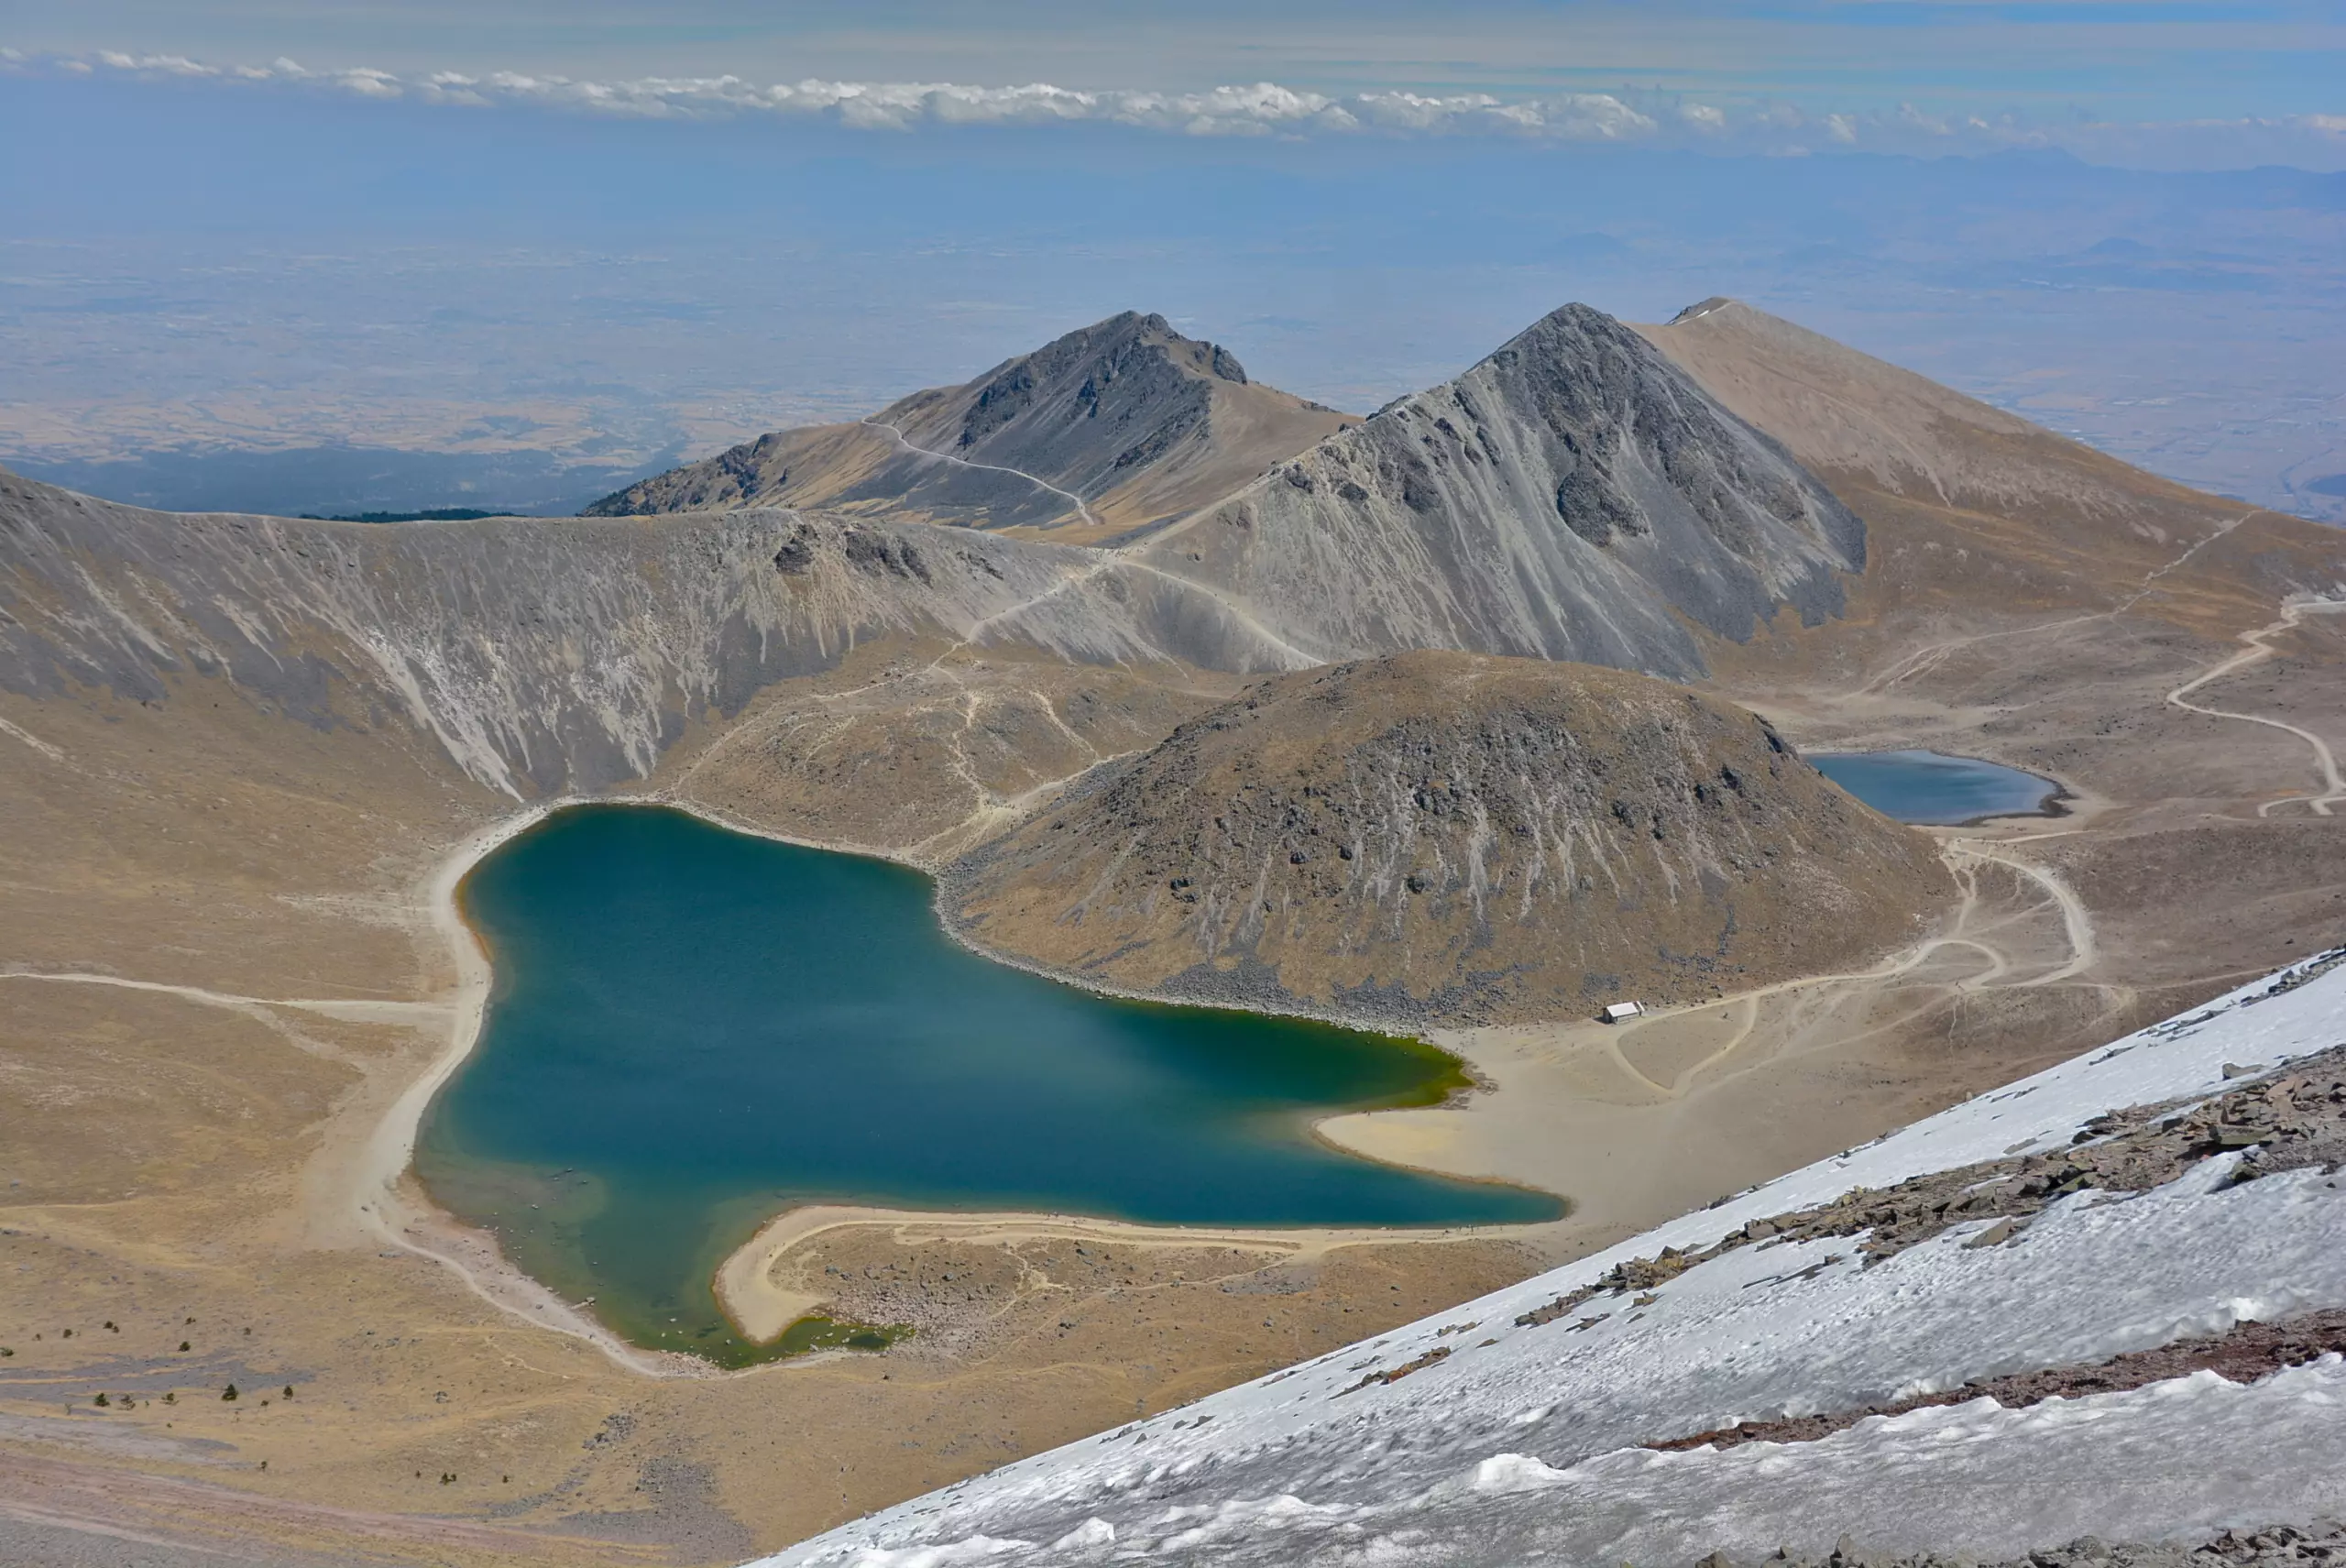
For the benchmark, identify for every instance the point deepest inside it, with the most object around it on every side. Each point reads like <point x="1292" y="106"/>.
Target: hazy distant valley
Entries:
<point x="549" y="361"/>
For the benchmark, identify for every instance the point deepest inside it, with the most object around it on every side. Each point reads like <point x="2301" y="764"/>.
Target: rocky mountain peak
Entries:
<point x="1702" y="308"/>
<point x="1574" y="495"/>
<point x="1130" y="367"/>
<point x="1114" y="425"/>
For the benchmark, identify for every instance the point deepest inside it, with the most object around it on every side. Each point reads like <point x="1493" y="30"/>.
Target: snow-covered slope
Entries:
<point x="1509" y="1430"/>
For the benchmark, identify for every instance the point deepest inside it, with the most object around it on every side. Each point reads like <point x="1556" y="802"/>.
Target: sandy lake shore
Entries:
<point x="754" y="1287"/>
<point x="378" y="1188"/>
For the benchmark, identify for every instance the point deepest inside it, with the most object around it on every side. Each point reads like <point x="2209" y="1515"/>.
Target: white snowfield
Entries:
<point x="1522" y="1448"/>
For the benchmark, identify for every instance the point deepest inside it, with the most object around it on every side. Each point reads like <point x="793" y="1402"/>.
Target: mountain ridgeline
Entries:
<point x="1111" y="427"/>
<point x="543" y="657"/>
<point x="1574" y="496"/>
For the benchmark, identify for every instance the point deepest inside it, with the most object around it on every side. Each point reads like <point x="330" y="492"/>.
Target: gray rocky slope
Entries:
<point x="1436" y="835"/>
<point x="1574" y="496"/>
<point x="544" y="655"/>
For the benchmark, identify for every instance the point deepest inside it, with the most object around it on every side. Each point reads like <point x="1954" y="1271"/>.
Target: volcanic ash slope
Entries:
<point x="1456" y="835"/>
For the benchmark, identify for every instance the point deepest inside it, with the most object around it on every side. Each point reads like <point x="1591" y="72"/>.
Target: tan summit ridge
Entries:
<point x="1850" y="416"/>
<point x="1456" y="837"/>
<point x="1886" y="438"/>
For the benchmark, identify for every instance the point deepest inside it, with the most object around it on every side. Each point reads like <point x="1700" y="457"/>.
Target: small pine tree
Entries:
<point x="183" y="1344"/>
<point x="100" y="1401"/>
<point x="231" y="1394"/>
<point x="289" y="1390"/>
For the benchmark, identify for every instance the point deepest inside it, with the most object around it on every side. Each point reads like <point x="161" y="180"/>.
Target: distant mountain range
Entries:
<point x="1573" y="496"/>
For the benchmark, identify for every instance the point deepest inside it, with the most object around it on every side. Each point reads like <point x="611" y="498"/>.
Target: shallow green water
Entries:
<point x="1931" y="787"/>
<point x="693" y="1029"/>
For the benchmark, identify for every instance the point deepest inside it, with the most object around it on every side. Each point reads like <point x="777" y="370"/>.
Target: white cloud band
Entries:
<point x="1268" y="109"/>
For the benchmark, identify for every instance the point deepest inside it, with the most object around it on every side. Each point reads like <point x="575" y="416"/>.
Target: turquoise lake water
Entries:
<point x="1926" y="787"/>
<point x="693" y="1029"/>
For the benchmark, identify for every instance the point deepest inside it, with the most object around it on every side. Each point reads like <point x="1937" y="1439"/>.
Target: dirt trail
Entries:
<point x="1971" y="928"/>
<point x="231" y="1525"/>
<point x="2077" y="924"/>
<point x="350" y="1010"/>
<point x="53" y="753"/>
<point x="1302" y="660"/>
<point x="1930" y="657"/>
<point x="2259" y="649"/>
<point x="905" y="442"/>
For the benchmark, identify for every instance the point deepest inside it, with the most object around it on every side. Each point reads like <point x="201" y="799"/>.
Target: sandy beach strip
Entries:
<point x="390" y="1204"/>
<point x="762" y="1307"/>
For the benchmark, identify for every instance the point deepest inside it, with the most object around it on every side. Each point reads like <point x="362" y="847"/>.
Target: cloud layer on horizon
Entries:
<point x="1269" y="110"/>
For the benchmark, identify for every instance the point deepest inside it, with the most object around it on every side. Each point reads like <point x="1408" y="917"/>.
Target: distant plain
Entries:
<point x="579" y="304"/>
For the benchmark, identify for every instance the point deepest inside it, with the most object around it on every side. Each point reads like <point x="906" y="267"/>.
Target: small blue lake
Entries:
<point x="1927" y="787"/>
<point x="693" y="1029"/>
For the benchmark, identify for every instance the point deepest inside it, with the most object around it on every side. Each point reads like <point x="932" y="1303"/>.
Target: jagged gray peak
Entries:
<point x="545" y="654"/>
<point x="1126" y="369"/>
<point x="1573" y="496"/>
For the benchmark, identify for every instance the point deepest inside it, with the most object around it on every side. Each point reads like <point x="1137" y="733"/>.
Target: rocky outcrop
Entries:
<point x="1453" y="836"/>
<point x="1108" y="428"/>
<point x="2270" y="1547"/>
<point x="1574" y="496"/>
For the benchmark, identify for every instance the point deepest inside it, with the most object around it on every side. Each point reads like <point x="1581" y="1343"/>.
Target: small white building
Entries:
<point x="1621" y="1012"/>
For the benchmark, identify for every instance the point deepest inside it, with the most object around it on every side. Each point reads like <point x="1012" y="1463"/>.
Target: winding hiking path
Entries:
<point x="907" y="443"/>
<point x="1931" y="655"/>
<point x="2077" y="924"/>
<point x="2333" y="784"/>
<point x="1963" y="855"/>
